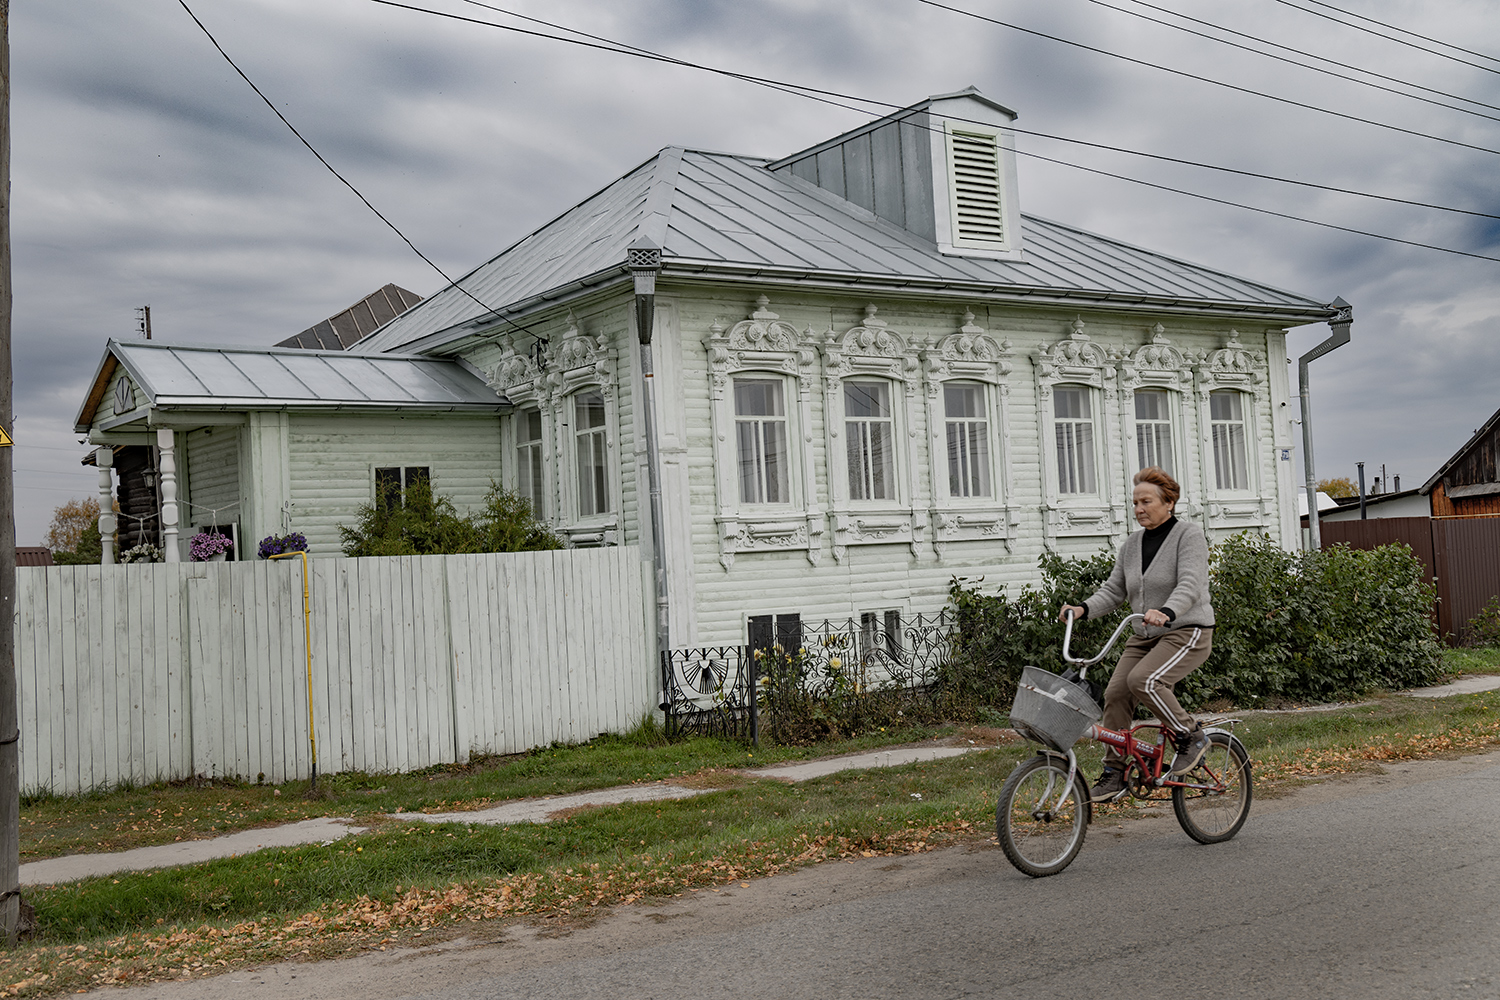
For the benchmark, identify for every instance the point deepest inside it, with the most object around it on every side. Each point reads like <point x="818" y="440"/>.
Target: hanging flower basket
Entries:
<point x="143" y="553"/>
<point x="209" y="546"/>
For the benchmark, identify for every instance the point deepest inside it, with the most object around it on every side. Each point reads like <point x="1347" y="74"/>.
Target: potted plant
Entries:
<point x="209" y="546"/>
<point x="142" y="553"/>
<point x="275" y="545"/>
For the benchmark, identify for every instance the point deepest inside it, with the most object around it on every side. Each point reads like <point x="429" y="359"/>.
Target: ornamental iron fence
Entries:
<point x="799" y="669"/>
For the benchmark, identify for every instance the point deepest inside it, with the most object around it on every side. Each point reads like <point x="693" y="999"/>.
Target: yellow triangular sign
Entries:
<point x="5" y="441"/>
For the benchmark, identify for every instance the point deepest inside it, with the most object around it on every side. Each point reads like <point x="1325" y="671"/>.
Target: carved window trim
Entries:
<point x="970" y="356"/>
<point x="1161" y="365"/>
<point x="764" y="346"/>
<point x="866" y="352"/>
<point x="1236" y="367"/>
<point x="549" y="380"/>
<point x="1077" y="361"/>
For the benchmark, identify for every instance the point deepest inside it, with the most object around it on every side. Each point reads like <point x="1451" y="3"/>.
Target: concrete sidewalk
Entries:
<point x="542" y="810"/>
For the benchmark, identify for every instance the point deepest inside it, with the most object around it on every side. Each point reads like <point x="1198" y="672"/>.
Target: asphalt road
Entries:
<point x="1373" y="887"/>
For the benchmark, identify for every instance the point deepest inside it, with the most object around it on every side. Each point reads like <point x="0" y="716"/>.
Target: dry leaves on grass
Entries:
<point x="362" y="923"/>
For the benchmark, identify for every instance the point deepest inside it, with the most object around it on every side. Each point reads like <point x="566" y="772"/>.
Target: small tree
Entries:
<point x="415" y="521"/>
<point x="1341" y="487"/>
<point x="69" y="522"/>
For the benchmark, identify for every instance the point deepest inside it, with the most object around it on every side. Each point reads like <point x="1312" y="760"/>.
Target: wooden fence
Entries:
<point x="143" y="672"/>
<point x="1461" y="557"/>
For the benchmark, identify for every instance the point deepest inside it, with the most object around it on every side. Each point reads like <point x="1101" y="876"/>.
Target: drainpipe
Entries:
<point x="643" y="258"/>
<point x="1361" y="491"/>
<point x="1342" y="320"/>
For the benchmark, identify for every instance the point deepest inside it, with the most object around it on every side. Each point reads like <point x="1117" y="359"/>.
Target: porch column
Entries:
<point x="164" y="443"/>
<point x="105" y="458"/>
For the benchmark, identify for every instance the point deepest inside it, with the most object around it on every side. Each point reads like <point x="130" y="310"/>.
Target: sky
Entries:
<point x="144" y="171"/>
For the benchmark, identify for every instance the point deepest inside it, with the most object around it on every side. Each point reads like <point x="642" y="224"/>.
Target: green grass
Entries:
<point x="1472" y="660"/>
<point x="166" y="812"/>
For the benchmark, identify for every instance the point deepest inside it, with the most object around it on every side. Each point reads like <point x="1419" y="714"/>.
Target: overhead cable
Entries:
<point x="344" y="180"/>
<point x="833" y="98"/>
<point x="1204" y="79"/>
<point x="1301" y="52"/>
<point x="1392" y="38"/>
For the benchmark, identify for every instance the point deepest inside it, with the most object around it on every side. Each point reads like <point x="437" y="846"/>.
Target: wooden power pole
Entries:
<point x="10" y="731"/>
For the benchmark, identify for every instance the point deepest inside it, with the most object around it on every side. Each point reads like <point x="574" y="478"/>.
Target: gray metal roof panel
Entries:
<point x="280" y="377"/>
<point x="730" y="210"/>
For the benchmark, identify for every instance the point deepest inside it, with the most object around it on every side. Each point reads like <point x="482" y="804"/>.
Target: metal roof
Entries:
<point x="342" y="330"/>
<point x="179" y="377"/>
<point x="716" y="213"/>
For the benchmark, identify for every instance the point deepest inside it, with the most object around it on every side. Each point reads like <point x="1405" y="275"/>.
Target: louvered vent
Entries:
<point x="976" y="188"/>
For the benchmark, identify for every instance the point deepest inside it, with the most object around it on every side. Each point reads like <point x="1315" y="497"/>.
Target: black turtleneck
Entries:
<point x="1151" y="544"/>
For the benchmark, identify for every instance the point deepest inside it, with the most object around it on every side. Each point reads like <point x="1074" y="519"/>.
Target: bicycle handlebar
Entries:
<point x="1068" y="638"/>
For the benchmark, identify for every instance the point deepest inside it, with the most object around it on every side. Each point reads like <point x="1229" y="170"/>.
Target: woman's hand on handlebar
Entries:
<point x="1077" y="610"/>
<point x="1154" y="617"/>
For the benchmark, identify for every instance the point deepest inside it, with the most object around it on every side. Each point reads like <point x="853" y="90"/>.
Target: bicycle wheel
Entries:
<point x="1212" y="816"/>
<point x="1041" y="827"/>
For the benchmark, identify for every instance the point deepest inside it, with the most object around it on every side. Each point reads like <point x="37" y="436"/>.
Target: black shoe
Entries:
<point x="1190" y="750"/>
<point x="1110" y="784"/>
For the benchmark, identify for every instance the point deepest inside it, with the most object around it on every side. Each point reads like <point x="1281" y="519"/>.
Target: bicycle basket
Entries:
<point x="1051" y="710"/>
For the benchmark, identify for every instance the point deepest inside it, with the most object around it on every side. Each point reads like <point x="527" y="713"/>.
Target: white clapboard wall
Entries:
<point x="146" y="672"/>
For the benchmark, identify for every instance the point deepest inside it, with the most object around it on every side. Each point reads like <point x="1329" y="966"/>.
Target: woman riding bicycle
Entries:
<point x="1163" y="571"/>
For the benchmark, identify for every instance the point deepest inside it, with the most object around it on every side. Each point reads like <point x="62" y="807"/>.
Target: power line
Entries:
<point x="832" y="98"/>
<point x="823" y="96"/>
<point x="1389" y="38"/>
<point x="1301" y="52"/>
<point x="1204" y="79"/>
<point x="1262" y="211"/>
<point x="344" y="180"/>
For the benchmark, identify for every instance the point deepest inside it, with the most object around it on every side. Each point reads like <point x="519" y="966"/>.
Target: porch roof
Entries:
<point x="181" y="377"/>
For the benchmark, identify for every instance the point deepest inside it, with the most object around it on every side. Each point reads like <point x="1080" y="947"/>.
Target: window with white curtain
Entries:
<point x="530" y="480"/>
<point x="1226" y="410"/>
<point x="968" y="440"/>
<point x="1153" y="430"/>
<point x="869" y="432"/>
<point x="761" y="441"/>
<point x="591" y="448"/>
<point x="1073" y="427"/>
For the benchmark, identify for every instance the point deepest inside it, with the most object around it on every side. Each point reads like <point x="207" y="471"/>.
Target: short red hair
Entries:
<point x="1158" y="477"/>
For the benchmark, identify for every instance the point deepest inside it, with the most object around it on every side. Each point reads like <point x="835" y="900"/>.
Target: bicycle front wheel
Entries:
<point x="1041" y="821"/>
<point x="1215" y="811"/>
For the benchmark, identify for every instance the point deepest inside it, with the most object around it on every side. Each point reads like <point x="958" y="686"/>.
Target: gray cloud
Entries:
<point x="145" y="171"/>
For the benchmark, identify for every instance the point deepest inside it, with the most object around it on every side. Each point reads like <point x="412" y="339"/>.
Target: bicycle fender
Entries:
<point x="1234" y="740"/>
<point x="1088" y="803"/>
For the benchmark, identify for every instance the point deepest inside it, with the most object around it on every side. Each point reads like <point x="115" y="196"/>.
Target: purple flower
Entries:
<point x="275" y="545"/>
<point x="207" y="544"/>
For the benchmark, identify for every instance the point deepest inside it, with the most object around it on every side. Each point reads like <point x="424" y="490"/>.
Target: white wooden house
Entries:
<point x="873" y="371"/>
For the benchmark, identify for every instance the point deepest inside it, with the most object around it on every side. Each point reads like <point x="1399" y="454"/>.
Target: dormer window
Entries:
<point x="976" y="187"/>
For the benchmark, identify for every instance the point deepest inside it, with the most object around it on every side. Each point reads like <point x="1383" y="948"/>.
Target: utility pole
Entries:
<point x="10" y="729"/>
<point x="143" y="321"/>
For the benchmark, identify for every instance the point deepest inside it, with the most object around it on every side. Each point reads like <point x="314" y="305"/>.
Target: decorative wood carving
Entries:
<point x="765" y="343"/>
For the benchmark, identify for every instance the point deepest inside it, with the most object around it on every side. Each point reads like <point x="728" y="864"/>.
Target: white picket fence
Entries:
<point x="146" y="672"/>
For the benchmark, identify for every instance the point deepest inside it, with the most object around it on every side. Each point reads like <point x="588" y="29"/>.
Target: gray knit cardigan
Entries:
<point x="1177" y="579"/>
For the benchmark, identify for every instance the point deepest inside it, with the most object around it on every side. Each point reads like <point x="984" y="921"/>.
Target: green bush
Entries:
<point x="1291" y="626"/>
<point x="416" y="521"/>
<point x="1484" y="628"/>
<point x="997" y="634"/>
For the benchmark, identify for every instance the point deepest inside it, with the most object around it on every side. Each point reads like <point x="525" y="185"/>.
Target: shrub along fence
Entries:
<point x="1297" y="626"/>
<point x="149" y="671"/>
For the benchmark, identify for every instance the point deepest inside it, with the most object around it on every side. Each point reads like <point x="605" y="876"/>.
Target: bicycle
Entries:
<point x="1044" y="807"/>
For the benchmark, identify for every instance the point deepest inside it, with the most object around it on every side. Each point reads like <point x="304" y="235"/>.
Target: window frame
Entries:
<point x="1076" y="362"/>
<point x="541" y="496"/>
<point x="1170" y="422"/>
<point x="784" y="418"/>
<point x="1245" y="422"/>
<point x="406" y="475"/>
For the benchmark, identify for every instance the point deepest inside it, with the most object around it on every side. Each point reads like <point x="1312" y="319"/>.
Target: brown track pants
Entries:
<point x="1145" y="674"/>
